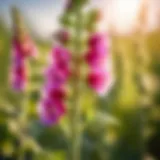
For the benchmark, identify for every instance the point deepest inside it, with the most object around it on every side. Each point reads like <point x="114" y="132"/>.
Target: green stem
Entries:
<point x="23" y="117"/>
<point x="21" y="155"/>
<point x="75" y="111"/>
<point x="75" y="124"/>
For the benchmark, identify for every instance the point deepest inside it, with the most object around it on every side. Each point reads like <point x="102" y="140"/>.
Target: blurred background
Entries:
<point x="124" y="125"/>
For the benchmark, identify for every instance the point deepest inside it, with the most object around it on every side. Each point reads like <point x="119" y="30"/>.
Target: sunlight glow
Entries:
<point x="43" y="17"/>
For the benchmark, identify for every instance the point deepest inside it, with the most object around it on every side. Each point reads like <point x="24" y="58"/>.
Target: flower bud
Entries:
<point x="63" y="36"/>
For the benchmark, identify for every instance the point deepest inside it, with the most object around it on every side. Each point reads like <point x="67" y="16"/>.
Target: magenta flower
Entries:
<point x="99" y="81"/>
<point x="51" y="111"/>
<point x="17" y="59"/>
<point x="24" y="47"/>
<point x="57" y="94"/>
<point x="97" y="56"/>
<point x="94" y="59"/>
<point x="18" y="76"/>
<point x="18" y="83"/>
<point x="60" y="54"/>
<point x="55" y="77"/>
<point x="98" y="42"/>
<point x="52" y="106"/>
<point x="21" y="50"/>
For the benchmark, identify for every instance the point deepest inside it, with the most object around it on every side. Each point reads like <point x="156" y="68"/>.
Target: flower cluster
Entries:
<point x="96" y="58"/>
<point x="21" y="50"/>
<point x="52" y="105"/>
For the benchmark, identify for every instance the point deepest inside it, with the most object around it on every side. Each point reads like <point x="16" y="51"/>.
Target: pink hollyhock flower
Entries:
<point x="56" y="77"/>
<point x="98" y="51"/>
<point x="17" y="59"/>
<point x="18" y="83"/>
<point x="20" y="51"/>
<point x="60" y="54"/>
<point x="57" y="94"/>
<point x="59" y="70"/>
<point x="96" y="58"/>
<point x="98" y="42"/>
<point x="99" y="81"/>
<point x="18" y="77"/>
<point x="51" y="111"/>
<point x="53" y="95"/>
<point x="24" y="47"/>
<point x="28" y="48"/>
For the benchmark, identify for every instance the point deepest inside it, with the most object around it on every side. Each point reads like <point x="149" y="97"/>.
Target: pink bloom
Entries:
<point x="59" y="71"/>
<point x="63" y="68"/>
<point x="17" y="60"/>
<point x="18" y="70"/>
<point x="96" y="58"/>
<point x="57" y="74"/>
<point x="98" y="51"/>
<point x="21" y="50"/>
<point x="18" y="83"/>
<point x="51" y="111"/>
<point x="29" y="49"/>
<point x="18" y="78"/>
<point x="25" y="48"/>
<point x="57" y="94"/>
<point x="98" y="81"/>
<point x="98" y="41"/>
<point x="60" y="54"/>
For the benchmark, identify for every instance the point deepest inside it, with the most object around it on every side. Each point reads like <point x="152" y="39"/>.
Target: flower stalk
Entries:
<point x="23" y="48"/>
<point x="75" y="110"/>
<point x="71" y="39"/>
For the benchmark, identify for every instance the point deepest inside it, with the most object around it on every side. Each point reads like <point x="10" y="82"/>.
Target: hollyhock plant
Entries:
<point x="52" y="105"/>
<point x="22" y="48"/>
